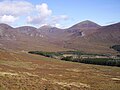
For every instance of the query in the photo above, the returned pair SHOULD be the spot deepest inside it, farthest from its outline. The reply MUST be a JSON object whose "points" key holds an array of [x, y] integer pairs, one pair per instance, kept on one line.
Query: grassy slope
{"points": [[33, 72]]}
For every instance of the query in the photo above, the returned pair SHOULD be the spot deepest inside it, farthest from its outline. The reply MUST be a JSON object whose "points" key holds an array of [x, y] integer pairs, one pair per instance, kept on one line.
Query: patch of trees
{"points": [[118, 55], [101, 61], [47, 54], [97, 61], [68, 58], [116, 47]]}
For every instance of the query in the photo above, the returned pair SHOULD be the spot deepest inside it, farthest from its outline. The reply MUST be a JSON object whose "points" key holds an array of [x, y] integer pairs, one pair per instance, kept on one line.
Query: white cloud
{"points": [[10, 10], [49, 20], [43, 12], [8, 19], [60, 17], [28, 13], [16, 8], [35, 20], [56, 19], [57, 25]]}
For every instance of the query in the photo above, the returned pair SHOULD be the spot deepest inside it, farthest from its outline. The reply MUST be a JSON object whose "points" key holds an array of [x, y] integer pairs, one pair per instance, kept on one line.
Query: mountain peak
{"points": [[88, 23], [45, 27], [84, 25], [5, 26]]}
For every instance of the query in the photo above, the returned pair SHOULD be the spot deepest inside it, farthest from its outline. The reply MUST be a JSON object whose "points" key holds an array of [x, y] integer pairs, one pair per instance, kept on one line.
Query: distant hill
{"points": [[108, 34], [83, 26], [25, 38], [98, 41], [86, 36]]}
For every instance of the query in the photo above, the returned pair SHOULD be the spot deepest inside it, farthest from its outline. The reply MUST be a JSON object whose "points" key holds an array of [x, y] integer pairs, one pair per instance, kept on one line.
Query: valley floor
{"points": [[23, 71]]}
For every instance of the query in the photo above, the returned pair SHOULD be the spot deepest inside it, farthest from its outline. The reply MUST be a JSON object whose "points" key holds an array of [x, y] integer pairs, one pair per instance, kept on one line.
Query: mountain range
{"points": [[85, 36]]}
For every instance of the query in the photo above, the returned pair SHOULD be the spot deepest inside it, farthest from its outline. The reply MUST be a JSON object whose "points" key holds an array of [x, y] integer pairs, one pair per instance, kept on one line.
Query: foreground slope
{"points": [[19, 70]]}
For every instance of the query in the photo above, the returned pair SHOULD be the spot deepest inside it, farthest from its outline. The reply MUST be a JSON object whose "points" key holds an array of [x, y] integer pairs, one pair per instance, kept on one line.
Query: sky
{"points": [[58, 13]]}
